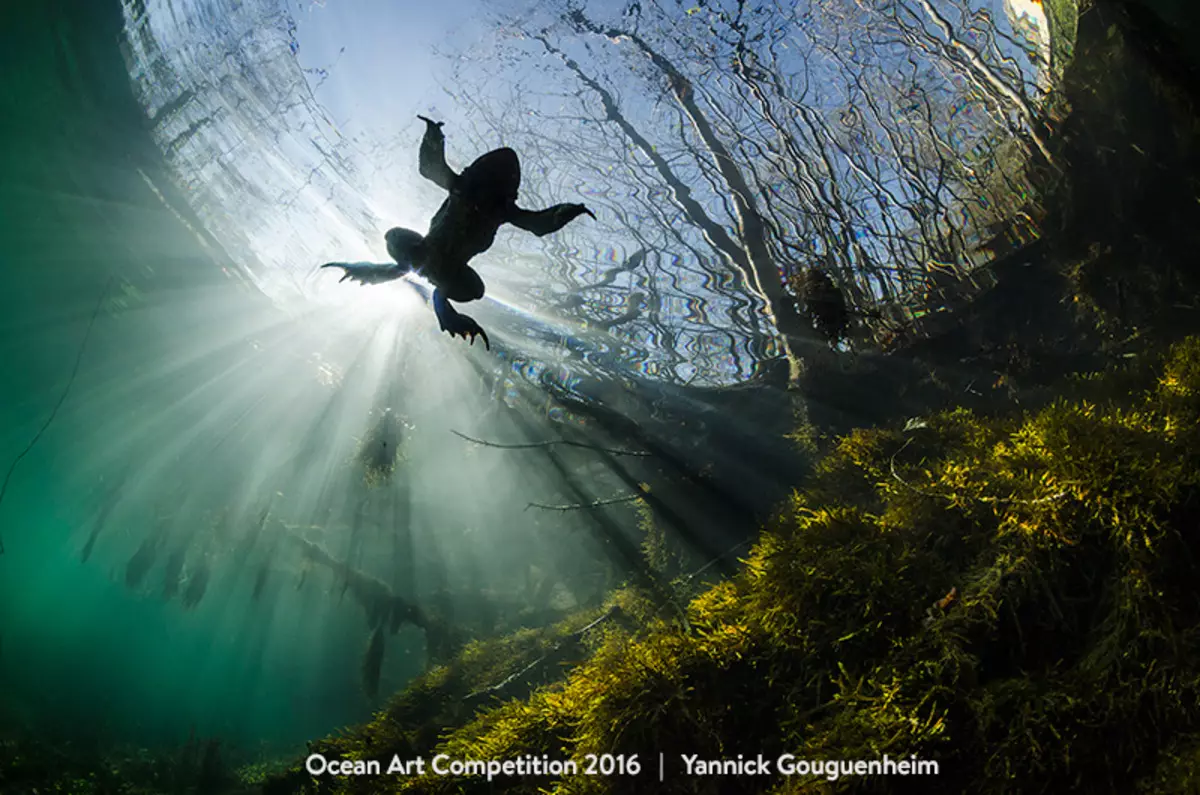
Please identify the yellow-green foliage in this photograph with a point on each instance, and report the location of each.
(415, 719)
(1067, 657)
(378, 451)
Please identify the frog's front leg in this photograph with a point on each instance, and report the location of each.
(551, 219)
(370, 272)
(432, 156)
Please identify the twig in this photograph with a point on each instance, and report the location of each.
(61, 398)
(579, 506)
(550, 443)
(502, 685)
(717, 559)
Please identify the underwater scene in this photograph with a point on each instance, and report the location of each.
(599, 396)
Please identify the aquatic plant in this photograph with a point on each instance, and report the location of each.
(379, 450)
(1008, 595)
(823, 303)
(201, 766)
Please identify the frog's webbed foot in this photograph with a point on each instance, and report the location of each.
(369, 272)
(456, 323)
(437, 125)
(552, 219)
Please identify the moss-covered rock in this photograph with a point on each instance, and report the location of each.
(1013, 597)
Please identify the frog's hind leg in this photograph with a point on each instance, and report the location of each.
(466, 287)
(543, 222)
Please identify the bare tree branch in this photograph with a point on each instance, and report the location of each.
(550, 443)
(583, 506)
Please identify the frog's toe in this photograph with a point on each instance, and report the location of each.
(460, 325)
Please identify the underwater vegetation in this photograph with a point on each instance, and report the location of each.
(1010, 595)
(379, 450)
(823, 303)
(200, 767)
(183, 576)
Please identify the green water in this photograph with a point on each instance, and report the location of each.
(198, 409)
(83, 657)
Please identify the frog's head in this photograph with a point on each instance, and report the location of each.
(403, 245)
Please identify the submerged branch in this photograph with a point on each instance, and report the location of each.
(714, 561)
(373, 595)
(505, 688)
(581, 506)
(62, 398)
(550, 443)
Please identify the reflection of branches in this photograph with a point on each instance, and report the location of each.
(61, 398)
(680, 192)
(633, 310)
(679, 294)
(891, 173)
(853, 138)
(746, 254)
(989, 83)
(761, 270)
(631, 263)
(549, 443)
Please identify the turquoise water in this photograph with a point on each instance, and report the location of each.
(82, 656)
(210, 438)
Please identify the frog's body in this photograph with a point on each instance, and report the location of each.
(482, 197)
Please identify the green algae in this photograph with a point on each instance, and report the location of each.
(1011, 596)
